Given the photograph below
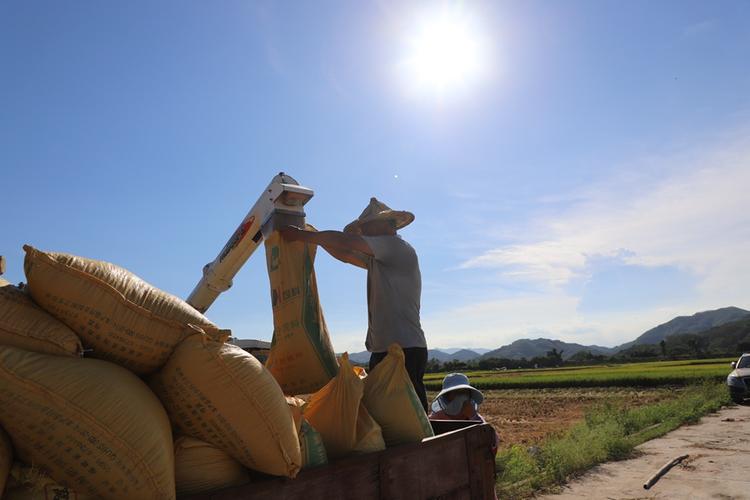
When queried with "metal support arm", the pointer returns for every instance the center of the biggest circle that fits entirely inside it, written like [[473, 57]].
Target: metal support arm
[[281, 203]]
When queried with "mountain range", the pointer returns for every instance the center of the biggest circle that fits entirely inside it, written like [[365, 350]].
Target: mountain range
[[530, 348]]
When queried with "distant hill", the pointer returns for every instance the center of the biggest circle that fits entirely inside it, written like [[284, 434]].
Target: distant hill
[[698, 322], [729, 339], [453, 350], [459, 355], [448, 350], [530, 348], [363, 357], [464, 355], [441, 356]]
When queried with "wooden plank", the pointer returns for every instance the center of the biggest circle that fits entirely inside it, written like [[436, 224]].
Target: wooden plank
[[456, 465], [481, 463], [347, 480], [427, 472]]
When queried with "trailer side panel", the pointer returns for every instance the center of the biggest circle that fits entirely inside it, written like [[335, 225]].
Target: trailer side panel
[[456, 465]]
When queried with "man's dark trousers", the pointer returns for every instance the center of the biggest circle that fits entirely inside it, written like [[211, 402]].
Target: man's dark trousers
[[415, 359]]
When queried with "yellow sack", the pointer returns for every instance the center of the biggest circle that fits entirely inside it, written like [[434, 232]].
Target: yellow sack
[[301, 358], [29, 483], [6, 459], [337, 413], [369, 432], [310, 441], [24, 324], [392, 401], [200, 467], [223, 395], [90, 424], [121, 317]]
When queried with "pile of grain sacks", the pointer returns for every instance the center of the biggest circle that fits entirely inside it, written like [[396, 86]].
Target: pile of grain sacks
[[112, 388]]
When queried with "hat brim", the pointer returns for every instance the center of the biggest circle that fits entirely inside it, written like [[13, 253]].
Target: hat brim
[[476, 395], [401, 217]]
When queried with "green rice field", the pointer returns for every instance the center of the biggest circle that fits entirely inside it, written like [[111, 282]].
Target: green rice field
[[648, 374]]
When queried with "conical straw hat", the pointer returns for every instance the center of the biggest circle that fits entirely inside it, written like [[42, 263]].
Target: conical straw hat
[[377, 210]]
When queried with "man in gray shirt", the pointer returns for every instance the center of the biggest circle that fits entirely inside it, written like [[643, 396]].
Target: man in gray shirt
[[394, 283]]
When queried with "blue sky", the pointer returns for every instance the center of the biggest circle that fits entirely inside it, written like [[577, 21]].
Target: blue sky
[[587, 184]]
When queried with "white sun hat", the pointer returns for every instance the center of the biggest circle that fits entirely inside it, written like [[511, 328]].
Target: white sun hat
[[377, 210], [459, 381]]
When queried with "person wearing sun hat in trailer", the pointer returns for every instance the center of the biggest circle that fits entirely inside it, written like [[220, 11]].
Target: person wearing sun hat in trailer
[[458, 400], [394, 282]]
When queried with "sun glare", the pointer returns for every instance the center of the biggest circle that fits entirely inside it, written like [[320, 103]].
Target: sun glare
[[445, 52]]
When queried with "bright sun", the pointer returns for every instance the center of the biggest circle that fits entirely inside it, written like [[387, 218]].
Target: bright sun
[[445, 52]]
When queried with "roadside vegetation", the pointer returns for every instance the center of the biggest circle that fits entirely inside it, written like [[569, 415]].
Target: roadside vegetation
[[648, 374], [609, 431]]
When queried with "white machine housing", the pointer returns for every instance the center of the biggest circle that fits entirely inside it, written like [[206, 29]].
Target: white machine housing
[[281, 204]]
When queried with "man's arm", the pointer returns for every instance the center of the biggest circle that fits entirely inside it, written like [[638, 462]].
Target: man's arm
[[342, 246], [348, 256]]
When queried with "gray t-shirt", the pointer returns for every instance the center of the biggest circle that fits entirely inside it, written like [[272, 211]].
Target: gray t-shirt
[[394, 287]]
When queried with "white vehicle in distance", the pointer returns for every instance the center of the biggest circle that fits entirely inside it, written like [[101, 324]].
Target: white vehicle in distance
[[739, 380]]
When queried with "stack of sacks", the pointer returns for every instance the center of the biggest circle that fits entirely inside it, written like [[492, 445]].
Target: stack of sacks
[[92, 428], [392, 401], [96, 428], [337, 413]]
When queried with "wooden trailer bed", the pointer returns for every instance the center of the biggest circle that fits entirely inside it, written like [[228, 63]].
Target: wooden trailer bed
[[457, 464]]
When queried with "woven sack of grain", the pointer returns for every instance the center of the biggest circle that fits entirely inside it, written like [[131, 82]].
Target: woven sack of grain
[[24, 324], [30, 483], [200, 467], [90, 424], [119, 316], [337, 413], [221, 394], [301, 357], [392, 401], [6, 459]]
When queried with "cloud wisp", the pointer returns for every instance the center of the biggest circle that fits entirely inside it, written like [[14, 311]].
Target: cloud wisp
[[695, 218]]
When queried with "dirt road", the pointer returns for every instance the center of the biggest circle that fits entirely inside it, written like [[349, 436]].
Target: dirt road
[[718, 466]]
